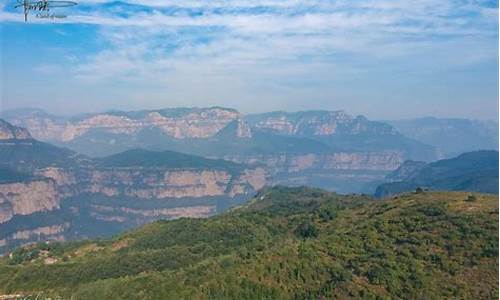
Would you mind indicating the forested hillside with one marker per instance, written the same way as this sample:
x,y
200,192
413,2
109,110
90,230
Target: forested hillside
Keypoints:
x,y
288,243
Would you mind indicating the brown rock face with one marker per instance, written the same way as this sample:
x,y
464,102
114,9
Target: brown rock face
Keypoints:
x,y
25,198
160,186
10,132
155,183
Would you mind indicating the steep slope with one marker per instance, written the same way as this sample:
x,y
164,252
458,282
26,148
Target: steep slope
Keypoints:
x,y
474,171
285,244
24,194
451,136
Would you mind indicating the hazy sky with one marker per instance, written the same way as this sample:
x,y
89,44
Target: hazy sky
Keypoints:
x,y
386,59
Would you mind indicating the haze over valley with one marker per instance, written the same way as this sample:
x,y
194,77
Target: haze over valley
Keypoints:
x,y
100,174
249,149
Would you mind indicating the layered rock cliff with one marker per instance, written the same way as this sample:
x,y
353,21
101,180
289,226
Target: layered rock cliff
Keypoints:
x,y
27,197
317,123
344,172
155,183
177,123
60,194
375,161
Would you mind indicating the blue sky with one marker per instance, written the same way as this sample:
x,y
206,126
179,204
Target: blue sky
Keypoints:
x,y
386,59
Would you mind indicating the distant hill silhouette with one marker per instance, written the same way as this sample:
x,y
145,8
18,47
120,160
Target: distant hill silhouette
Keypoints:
x,y
473,171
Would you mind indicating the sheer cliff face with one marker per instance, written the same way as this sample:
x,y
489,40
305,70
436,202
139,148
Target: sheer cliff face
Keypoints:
x,y
374,161
176,123
186,123
36,203
344,172
317,123
155,183
25,198
123,198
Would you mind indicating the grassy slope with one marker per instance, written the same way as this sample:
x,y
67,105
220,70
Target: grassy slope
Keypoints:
x,y
288,243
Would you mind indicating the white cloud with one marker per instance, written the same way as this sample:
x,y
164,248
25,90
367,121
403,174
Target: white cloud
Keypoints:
x,y
293,48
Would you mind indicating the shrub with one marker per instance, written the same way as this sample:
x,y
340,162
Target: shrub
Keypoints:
x,y
306,230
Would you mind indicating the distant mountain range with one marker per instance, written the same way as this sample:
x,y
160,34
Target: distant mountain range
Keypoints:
x,y
48,192
331,150
217,131
473,171
451,137
98,174
286,243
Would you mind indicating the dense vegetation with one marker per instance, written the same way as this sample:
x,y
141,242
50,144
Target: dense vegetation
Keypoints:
x,y
288,243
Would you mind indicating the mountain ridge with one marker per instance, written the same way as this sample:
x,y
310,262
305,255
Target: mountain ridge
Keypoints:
x,y
475,171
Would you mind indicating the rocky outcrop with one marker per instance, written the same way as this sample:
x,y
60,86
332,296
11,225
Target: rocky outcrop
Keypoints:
x,y
175,193
290,163
177,123
155,183
317,123
9,132
53,232
344,172
25,198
